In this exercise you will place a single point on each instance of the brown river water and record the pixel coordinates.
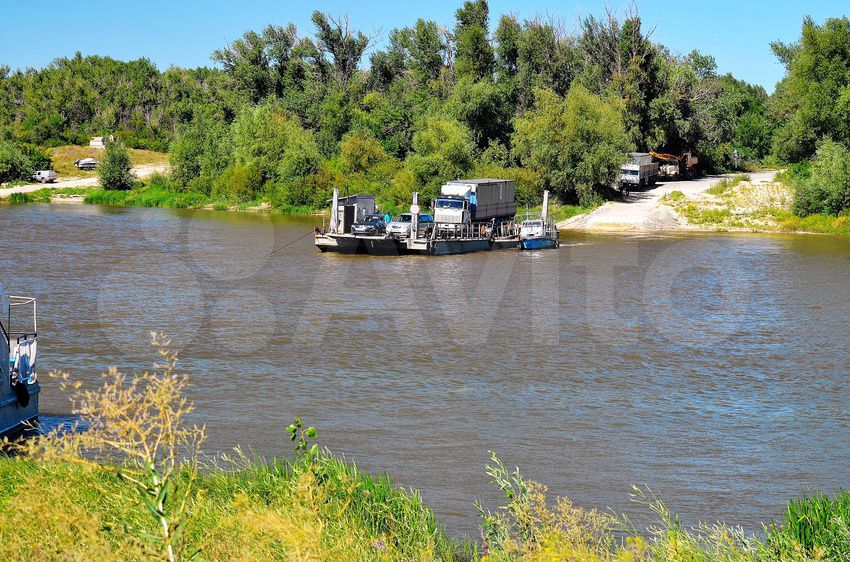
(712, 368)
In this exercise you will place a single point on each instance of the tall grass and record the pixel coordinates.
(726, 184)
(20, 198)
(816, 527)
(146, 197)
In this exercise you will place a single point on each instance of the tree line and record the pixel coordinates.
(285, 116)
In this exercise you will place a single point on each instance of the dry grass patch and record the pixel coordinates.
(65, 156)
(737, 203)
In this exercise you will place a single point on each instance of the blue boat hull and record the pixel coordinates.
(537, 243)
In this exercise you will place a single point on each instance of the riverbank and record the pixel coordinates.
(324, 508)
(151, 196)
(742, 203)
(145, 163)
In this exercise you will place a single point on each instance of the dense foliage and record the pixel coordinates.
(20, 160)
(285, 116)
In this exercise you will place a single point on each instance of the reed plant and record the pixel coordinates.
(816, 527)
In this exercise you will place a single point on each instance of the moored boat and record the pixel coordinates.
(539, 233)
(19, 387)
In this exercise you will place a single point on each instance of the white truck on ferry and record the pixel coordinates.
(464, 202)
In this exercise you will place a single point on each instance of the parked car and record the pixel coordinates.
(400, 226)
(44, 176)
(370, 224)
(86, 164)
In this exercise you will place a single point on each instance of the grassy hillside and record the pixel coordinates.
(65, 156)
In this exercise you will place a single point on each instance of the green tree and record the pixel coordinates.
(200, 153)
(475, 56)
(14, 164)
(813, 100)
(484, 108)
(546, 59)
(259, 63)
(442, 150)
(508, 35)
(344, 45)
(114, 171)
(275, 143)
(576, 143)
(360, 152)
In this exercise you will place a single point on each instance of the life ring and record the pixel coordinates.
(22, 393)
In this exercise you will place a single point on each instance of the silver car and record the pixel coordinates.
(399, 227)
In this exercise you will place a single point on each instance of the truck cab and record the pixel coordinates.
(452, 210)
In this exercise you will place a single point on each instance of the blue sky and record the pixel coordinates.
(183, 33)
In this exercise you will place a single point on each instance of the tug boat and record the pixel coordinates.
(19, 387)
(539, 233)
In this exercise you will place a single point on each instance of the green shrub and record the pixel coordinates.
(240, 182)
(724, 185)
(827, 189)
(114, 171)
(160, 181)
(14, 164)
(674, 196)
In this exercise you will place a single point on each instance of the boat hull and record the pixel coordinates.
(462, 246)
(371, 245)
(538, 243)
(16, 419)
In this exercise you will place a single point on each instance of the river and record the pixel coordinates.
(713, 368)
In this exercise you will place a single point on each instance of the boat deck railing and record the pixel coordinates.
(30, 329)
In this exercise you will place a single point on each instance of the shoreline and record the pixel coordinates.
(654, 213)
(730, 203)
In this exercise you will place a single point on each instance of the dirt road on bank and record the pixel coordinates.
(140, 171)
(642, 211)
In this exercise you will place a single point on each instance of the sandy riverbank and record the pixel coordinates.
(646, 211)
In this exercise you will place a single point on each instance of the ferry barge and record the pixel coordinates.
(469, 216)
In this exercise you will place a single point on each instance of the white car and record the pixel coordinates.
(86, 164)
(400, 226)
(44, 176)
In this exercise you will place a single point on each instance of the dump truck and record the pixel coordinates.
(676, 167)
(475, 200)
(638, 172)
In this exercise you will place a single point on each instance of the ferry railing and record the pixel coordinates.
(476, 231)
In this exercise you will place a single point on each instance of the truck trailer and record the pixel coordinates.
(475, 200)
(638, 172)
